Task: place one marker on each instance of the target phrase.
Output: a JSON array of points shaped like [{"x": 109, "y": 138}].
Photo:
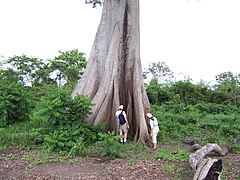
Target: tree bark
[
  {"x": 207, "y": 168},
  {"x": 113, "y": 75}
]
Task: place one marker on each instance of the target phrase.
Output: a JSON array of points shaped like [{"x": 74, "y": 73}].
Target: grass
[
  {"x": 178, "y": 155},
  {"x": 20, "y": 135}
]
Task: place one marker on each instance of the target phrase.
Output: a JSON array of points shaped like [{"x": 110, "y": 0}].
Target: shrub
[
  {"x": 15, "y": 104},
  {"x": 108, "y": 146},
  {"x": 65, "y": 141},
  {"x": 66, "y": 129},
  {"x": 59, "y": 109}
]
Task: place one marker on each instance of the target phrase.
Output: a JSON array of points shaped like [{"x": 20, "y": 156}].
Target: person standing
[
  {"x": 154, "y": 129},
  {"x": 123, "y": 123}
]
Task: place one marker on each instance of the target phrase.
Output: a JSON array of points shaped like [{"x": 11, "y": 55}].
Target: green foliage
[
  {"x": 19, "y": 134},
  {"x": 9, "y": 76},
  {"x": 47, "y": 126},
  {"x": 66, "y": 129},
  {"x": 222, "y": 129},
  {"x": 65, "y": 140},
  {"x": 227, "y": 81},
  {"x": 138, "y": 148},
  {"x": 179, "y": 122},
  {"x": 109, "y": 146},
  {"x": 15, "y": 103},
  {"x": 172, "y": 155},
  {"x": 169, "y": 168},
  {"x": 187, "y": 91},
  {"x": 198, "y": 112},
  {"x": 59, "y": 109},
  {"x": 213, "y": 108},
  {"x": 70, "y": 66},
  {"x": 160, "y": 71},
  {"x": 23, "y": 134},
  {"x": 48, "y": 111},
  {"x": 218, "y": 124},
  {"x": 178, "y": 92},
  {"x": 156, "y": 94},
  {"x": 31, "y": 70}
]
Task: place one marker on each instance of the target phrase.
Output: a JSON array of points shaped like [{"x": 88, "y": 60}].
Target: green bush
[
  {"x": 156, "y": 93},
  {"x": 66, "y": 129},
  {"x": 65, "y": 141},
  {"x": 109, "y": 146},
  {"x": 15, "y": 103},
  {"x": 59, "y": 109}
]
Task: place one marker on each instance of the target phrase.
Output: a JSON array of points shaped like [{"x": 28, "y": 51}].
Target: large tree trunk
[{"x": 113, "y": 75}]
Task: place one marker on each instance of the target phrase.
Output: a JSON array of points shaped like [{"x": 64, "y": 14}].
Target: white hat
[
  {"x": 121, "y": 107},
  {"x": 149, "y": 115}
]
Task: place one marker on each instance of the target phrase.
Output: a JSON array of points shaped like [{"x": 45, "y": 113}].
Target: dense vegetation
[{"x": 36, "y": 109}]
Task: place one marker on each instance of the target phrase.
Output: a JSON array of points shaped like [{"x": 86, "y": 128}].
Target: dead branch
[{"x": 207, "y": 168}]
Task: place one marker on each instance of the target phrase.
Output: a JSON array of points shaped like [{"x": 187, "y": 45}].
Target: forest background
[{"x": 37, "y": 111}]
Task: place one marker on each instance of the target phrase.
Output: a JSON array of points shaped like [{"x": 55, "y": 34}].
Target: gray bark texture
[
  {"x": 113, "y": 75},
  {"x": 207, "y": 168}
]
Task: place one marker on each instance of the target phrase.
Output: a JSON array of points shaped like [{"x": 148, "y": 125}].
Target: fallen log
[{"x": 207, "y": 169}]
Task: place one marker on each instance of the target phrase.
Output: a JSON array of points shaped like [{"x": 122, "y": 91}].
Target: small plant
[
  {"x": 172, "y": 171},
  {"x": 131, "y": 161},
  {"x": 109, "y": 146},
  {"x": 38, "y": 158},
  {"x": 169, "y": 168}
]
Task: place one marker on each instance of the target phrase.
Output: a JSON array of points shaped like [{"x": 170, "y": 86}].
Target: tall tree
[
  {"x": 160, "y": 71},
  {"x": 70, "y": 66},
  {"x": 113, "y": 75},
  {"x": 31, "y": 70}
]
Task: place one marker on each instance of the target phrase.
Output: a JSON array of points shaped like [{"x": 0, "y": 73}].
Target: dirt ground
[{"x": 15, "y": 165}]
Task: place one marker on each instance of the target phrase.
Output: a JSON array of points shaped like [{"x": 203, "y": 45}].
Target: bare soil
[{"x": 16, "y": 165}]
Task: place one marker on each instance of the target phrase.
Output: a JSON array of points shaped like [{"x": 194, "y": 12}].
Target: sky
[{"x": 198, "y": 39}]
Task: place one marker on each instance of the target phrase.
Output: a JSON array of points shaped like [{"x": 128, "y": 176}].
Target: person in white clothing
[
  {"x": 154, "y": 129},
  {"x": 123, "y": 126}
]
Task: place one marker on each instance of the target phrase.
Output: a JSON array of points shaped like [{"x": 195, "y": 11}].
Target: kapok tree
[{"x": 113, "y": 75}]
